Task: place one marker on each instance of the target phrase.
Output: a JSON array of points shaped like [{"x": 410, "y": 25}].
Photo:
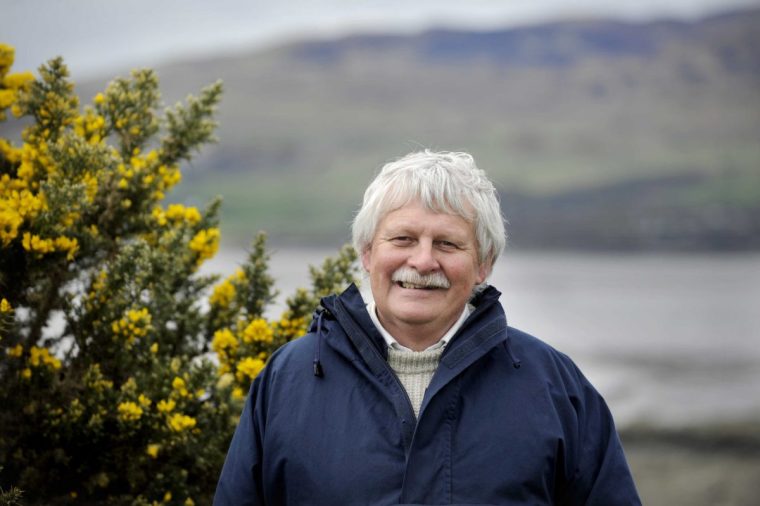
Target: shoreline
[{"x": 713, "y": 464}]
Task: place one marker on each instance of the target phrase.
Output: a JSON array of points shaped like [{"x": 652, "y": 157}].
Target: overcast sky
[{"x": 101, "y": 36}]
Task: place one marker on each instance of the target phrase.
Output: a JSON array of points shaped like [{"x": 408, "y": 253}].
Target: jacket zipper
[{"x": 387, "y": 367}]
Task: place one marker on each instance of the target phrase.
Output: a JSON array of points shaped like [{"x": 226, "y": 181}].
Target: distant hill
[{"x": 599, "y": 134}]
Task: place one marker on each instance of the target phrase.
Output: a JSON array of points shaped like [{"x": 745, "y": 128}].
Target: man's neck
[{"x": 417, "y": 337}]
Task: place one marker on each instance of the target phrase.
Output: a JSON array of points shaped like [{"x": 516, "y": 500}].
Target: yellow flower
[
  {"x": 129, "y": 411},
  {"x": 154, "y": 348},
  {"x": 35, "y": 244},
  {"x": 71, "y": 246},
  {"x": 249, "y": 367},
  {"x": 223, "y": 294},
  {"x": 41, "y": 356},
  {"x": 169, "y": 176},
  {"x": 238, "y": 394},
  {"x": 258, "y": 330},
  {"x": 99, "y": 98},
  {"x": 10, "y": 221},
  {"x": 15, "y": 352},
  {"x": 175, "y": 212},
  {"x": 12, "y": 154},
  {"x": 7, "y": 55},
  {"x": 159, "y": 215},
  {"x": 167, "y": 497},
  {"x": 165, "y": 406},
  {"x": 144, "y": 401},
  {"x": 179, "y": 385},
  {"x": 5, "y": 306},
  {"x": 7, "y": 98},
  {"x": 133, "y": 325},
  {"x": 224, "y": 342},
  {"x": 192, "y": 215},
  {"x": 18, "y": 80},
  {"x": 189, "y": 502},
  {"x": 152, "y": 450},
  {"x": 26, "y": 373},
  {"x": 178, "y": 212},
  {"x": 205, "y": 243},
  {"x": 179, "y": 422}
]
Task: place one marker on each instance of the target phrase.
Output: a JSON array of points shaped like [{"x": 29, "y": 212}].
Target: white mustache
[{"x": 409, "y": 275}]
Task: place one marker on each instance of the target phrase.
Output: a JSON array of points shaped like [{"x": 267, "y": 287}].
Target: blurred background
[{"x": 623, "y": 136}]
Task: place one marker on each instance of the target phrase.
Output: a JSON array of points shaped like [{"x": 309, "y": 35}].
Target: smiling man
[
  {"x": 423, "y": 266},
  {"x": 424, "y": 394}
]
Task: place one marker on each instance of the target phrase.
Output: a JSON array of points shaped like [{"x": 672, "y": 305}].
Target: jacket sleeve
[
  {"x": 601, "y": 476},
  {"x": 240, "y": 483}
]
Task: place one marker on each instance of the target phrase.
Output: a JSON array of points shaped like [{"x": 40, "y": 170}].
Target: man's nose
[{"x": 423, "y": 258}]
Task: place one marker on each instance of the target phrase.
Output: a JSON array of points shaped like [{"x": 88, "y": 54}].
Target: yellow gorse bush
[{"x": 121, "y": 384}]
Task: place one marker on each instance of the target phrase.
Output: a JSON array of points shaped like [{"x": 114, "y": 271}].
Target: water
[{"x": 667, "y": 339}]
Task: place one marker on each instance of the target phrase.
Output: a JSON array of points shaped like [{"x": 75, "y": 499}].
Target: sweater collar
[{"x": 394, "y": 344}]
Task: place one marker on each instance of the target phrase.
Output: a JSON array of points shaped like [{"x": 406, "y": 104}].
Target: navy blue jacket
[{"x": 506, "y": 420}]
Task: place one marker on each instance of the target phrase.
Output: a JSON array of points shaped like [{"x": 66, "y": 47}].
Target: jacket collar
[
  {"x": 350, "y": 309},
  {"x": 484, "y": 329}
]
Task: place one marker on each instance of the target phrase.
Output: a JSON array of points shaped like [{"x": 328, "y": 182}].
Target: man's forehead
[{"x": 405, "y": 218}]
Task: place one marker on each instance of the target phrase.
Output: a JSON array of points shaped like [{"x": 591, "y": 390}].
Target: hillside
[{"x": 599, "y": 134}]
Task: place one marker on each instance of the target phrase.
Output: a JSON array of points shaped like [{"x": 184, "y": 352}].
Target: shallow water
[{"x": 668, "y": 339}]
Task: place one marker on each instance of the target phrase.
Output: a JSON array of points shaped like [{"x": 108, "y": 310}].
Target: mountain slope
[{"x": 598, "y": 133}]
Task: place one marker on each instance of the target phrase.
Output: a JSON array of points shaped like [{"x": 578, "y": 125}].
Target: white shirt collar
[{"x": 393, "y": 343}]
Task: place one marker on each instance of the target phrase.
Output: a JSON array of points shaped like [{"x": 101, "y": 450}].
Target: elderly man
[{"x": 424, "y": 395}]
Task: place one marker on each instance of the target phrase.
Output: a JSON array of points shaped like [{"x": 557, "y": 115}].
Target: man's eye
[
  {"x": 447, "y": 245},
  {"x": 401, "y": 240}
]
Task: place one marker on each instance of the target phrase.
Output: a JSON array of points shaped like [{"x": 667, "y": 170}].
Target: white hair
[{"x": 443, "y": 182}]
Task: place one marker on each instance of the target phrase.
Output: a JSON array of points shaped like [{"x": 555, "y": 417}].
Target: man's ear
[
  {"x": 484, "y": 270},
  {"x": 366, "y": 257}
]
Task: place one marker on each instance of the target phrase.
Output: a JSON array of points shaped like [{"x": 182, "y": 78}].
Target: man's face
[{"x": 426, "y": 243}]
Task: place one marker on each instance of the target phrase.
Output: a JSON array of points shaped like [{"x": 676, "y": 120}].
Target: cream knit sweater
[{"x": 415, "y": 369}]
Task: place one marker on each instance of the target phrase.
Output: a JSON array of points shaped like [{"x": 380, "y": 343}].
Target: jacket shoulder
[
  {"x": 298, "y": 352},
  {"x": 542, "y": 357},
  {"x": 531, "y": 343}
]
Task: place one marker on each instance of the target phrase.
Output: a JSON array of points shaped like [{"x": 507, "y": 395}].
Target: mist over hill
[{"x": 598, "y": 133}]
